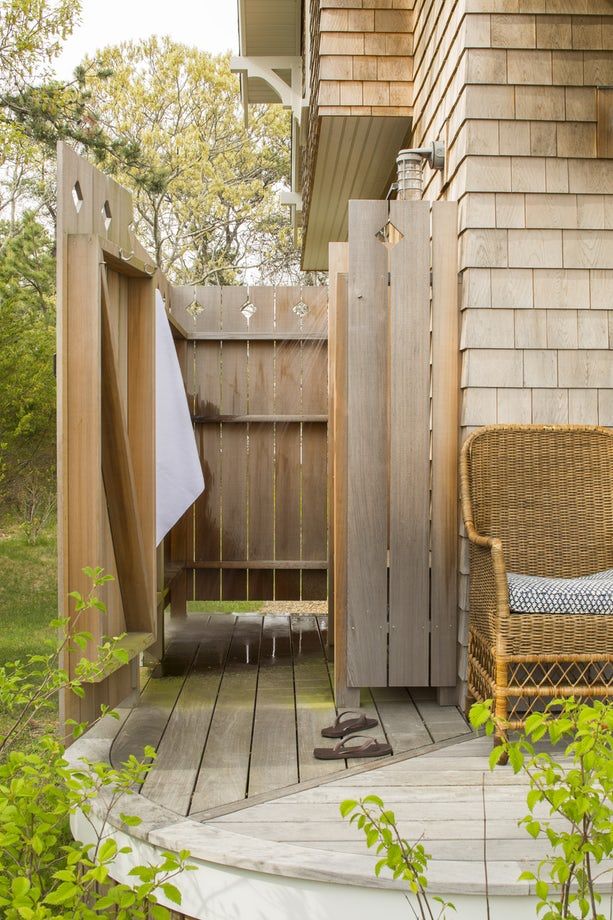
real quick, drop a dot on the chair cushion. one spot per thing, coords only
(584, 595)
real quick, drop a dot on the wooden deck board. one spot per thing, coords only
(237, 717)
(146, 723)
(274, 756)
(404, 727)
(225, 763)
(460, 824)
(314, 700)
(171, 782)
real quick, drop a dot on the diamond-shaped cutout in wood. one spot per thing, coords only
(195, 308)
(77, 196)
(248, 309)
(106, 215)
(389, 235)
(301, 308)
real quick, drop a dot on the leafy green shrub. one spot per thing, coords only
(578, 792)
(44, 873)
(407, 861)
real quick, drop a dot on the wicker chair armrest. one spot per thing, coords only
(489, 590)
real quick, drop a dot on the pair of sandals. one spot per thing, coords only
(349, 723)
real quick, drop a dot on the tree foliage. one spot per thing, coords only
(27, 344)
(166, 121)
(569, 799)
(205, 187)
(44, 873)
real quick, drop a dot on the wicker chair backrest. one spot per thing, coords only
(547, 493)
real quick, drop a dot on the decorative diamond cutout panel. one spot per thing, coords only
(106, 215)
(195, 308)
(301, 308)
(389, 235)
(77, 196)
(248, 309)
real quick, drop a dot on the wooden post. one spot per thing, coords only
(80, 448)
(445, 446)
(346, 697)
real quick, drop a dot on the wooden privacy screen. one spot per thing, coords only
(394, 408)
(255, 366)
(106, 420)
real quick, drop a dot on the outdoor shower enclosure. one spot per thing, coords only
(346, 492)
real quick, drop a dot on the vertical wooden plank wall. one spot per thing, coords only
(395, 376)
(259, 395)
(367, 471)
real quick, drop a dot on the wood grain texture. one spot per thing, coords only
(225, 764)
(314, 700)
(135, 569)
(345, 696)
(261, 508)
(445, 443)
(80, 442)
(367, 474)
(409, 438)
(253, 385)
(274, 754)
(178, 754)
(287, 508)
(234, 507)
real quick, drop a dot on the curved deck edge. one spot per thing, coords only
(242, 876)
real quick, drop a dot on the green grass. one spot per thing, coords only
(223, 606)
(28, 594)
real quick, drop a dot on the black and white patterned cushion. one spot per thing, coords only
(588, 594)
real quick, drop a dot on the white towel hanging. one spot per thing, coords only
(179, 473)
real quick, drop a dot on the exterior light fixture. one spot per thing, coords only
(409, 163)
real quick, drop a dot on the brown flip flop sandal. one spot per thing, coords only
(343, 726)
(370, 747)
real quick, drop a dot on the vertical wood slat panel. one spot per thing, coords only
(337, 472)
(208, 513)
(182, 534)
(234, 401)
(287, 508)
(234, 508)
(141, 421)
(79, 428)
(445, 443)
(367, 493)
(204, 382)
(261, 507)
(409, 500)
(288, 401)
(261, 445)
(117, 291)
(232, 300)
(314, 502)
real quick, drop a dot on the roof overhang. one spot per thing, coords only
(356, 157)
(268, 29)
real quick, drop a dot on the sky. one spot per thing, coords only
(209, 24)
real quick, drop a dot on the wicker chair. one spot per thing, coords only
(537, 500)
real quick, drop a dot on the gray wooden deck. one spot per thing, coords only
(237, 707)
(466, 816)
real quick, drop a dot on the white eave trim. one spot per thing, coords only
(264, 68)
